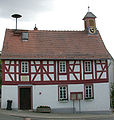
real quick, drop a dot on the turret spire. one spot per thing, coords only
(88, 9)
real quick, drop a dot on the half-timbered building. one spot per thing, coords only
(66, 70)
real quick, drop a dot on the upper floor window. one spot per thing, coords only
(87, 66)
(24, 35)
(24, 67)
(63, 94)
(88, 91)
(62, 66)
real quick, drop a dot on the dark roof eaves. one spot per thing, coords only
(56, 58)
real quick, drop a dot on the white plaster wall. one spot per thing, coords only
(33, 69)
(7, 61)
(51, 68)
(71, 62)
(45, 77)
(17, 62)
(17, 76)
(7, 78)
(38, 77)
(44, 62)
(11, 68)
(12, 62)
(62, 77)
(72, 77)
(101, 101)
(88, 76)
(45, 67)
(49, 97)
(17, 68)
(111, 70)
(77, 68)
(9, 92)
(99, 67)
(103, 75)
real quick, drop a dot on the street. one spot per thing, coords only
(12, 117)
(110, 118)
(8, 117)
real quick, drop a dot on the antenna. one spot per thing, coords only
(16, 16)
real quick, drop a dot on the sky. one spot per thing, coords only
(58, 15)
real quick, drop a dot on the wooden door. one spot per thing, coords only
(25, 98)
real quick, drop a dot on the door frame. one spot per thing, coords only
(31, 93)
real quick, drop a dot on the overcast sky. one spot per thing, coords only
(58, 15)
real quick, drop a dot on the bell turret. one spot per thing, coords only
(89, 22)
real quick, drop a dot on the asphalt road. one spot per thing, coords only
(8, 117)
(75, 119)
(111, 118)
(5, 116)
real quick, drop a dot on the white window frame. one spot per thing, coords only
(24, 67)
(63, 93)
(89, 91)
(62, 66)
(87, 66)
(25, 36)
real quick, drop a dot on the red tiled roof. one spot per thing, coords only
(54, 45)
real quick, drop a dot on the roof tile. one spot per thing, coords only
(54, 45)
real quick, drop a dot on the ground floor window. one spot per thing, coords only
(89, 92)
(63, 93)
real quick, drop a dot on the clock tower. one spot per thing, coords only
(89, 22)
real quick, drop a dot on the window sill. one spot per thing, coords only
(63, 101)
(62, 73)
(24, 73)
(88, 72)
(92, 98)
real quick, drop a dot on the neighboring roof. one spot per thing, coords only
(53, 45)
(89, 15)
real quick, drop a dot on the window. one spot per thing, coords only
(24, 67)
(63, 93)
(88, 91)
(24, 35)
(87, 66)
(62, 66)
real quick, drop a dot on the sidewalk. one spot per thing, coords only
(31, 114)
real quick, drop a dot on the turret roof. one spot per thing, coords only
(89, 15)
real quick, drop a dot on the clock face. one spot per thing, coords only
(92, 30)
